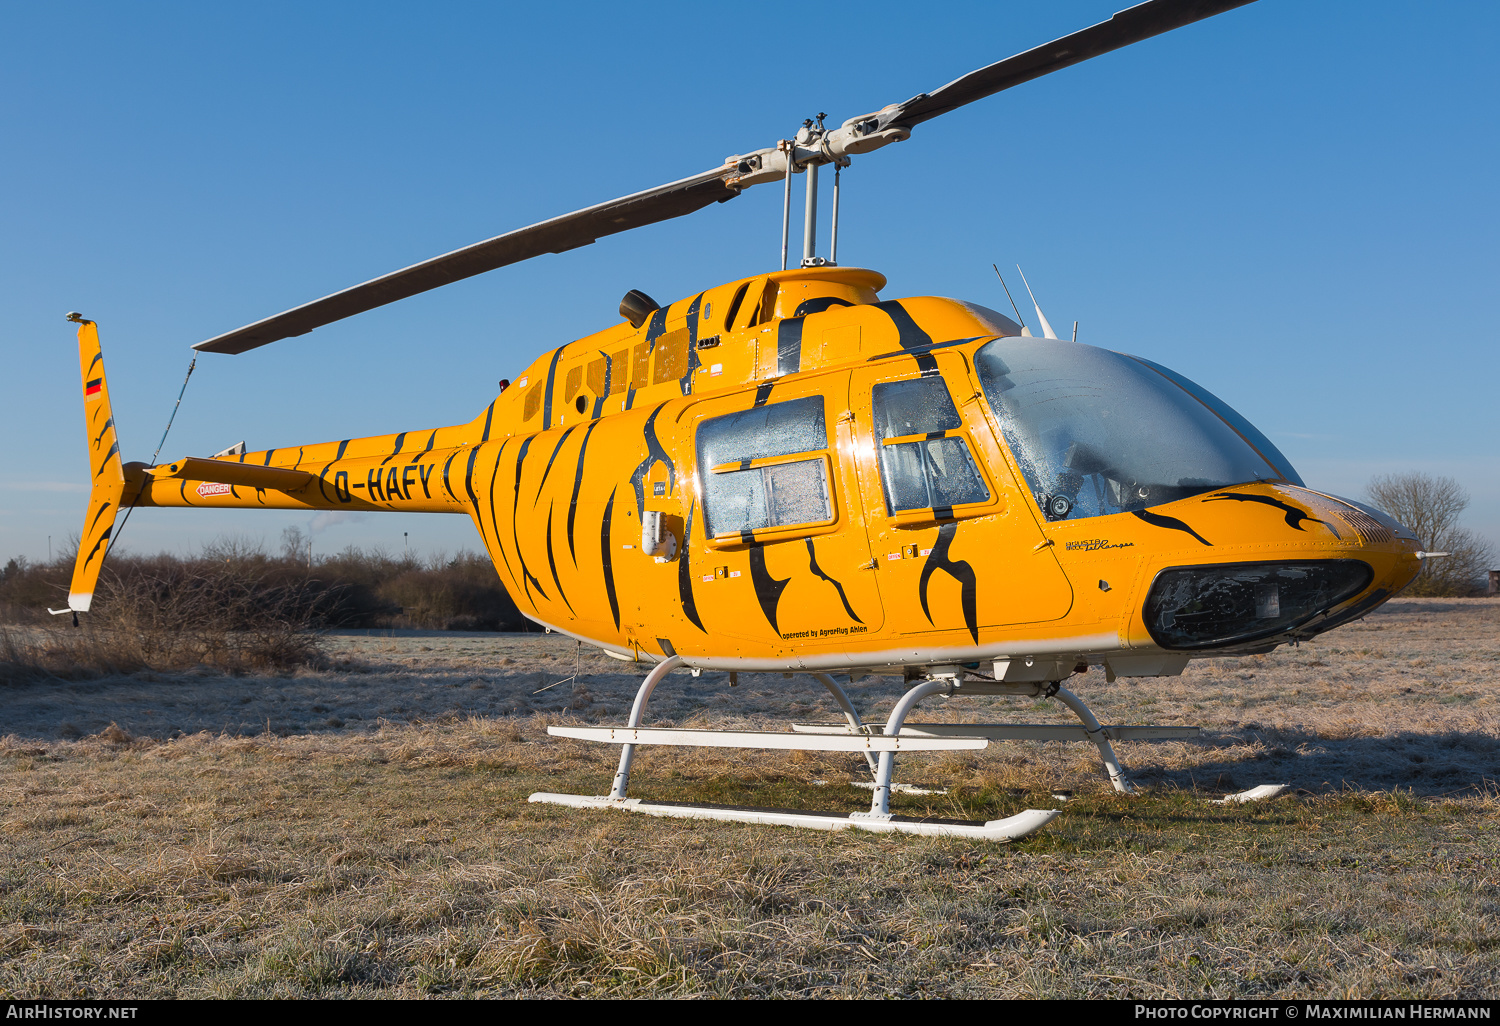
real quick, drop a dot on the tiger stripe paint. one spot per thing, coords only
(863, 589)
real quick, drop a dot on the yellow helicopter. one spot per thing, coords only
(789, 473)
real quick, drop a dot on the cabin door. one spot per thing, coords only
(954, 538)
(780, 560)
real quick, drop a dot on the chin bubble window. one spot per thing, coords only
(1214, 606)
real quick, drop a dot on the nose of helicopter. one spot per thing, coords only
(1274, 562)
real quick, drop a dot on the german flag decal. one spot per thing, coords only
(92, 387)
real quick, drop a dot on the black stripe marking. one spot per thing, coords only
(430, 439)
(527, 578)
(654, 330)
(340, 454)
(767, 588)
(114, 450)
(547, 395)
(99, 514)
(1294, 516)
(474, 499)
(957, 569)
(96, 359)
(323, 483)
(269, 454)
(763, 392)
(400, 441)
(789, 346)
(551, 562)
(609, 372)
(102, 539)
(919, 350)
(685, 383)
(577, 486)
(494, 520)
(447, 485)
(107, 425)
(812, 564)
(1171, 523)
(818, 305)
(685, 575)
(654, 452)
(550, 460)
(489, 416)
(606, 559)
(910, 334)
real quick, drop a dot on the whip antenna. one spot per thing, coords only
(1008, 296)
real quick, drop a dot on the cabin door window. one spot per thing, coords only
(925, 460)
(765, 468)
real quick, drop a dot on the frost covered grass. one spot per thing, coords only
(161, 841)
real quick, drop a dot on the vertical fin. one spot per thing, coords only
(106, 472)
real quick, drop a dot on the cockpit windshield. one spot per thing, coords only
(1097, 432)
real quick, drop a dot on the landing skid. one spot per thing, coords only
(879, 751)
(1008, 829)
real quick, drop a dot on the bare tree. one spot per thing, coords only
(1431, 506)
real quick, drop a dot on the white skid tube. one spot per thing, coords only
(1255, 794)
(1017, 731)
(1008, 829)
(820, 742)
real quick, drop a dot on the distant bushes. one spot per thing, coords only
(235, 608)
(241, 584)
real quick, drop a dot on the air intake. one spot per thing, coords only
(637, 306)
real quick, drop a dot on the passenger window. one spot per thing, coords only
(749, 480)
(925, 462)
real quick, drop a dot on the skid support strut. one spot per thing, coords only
(855, 726)
(638, 710)
(1097, 735)
(880, 804)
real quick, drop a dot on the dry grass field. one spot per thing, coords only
(362, 829)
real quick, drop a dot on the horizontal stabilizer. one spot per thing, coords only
(195, 468)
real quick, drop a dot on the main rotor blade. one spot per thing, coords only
(1128, 26)
(557, 235)
(860, 135)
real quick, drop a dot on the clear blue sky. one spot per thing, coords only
(1293, 204)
